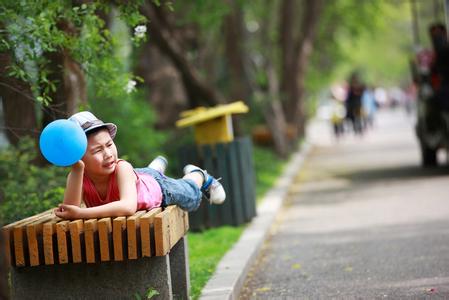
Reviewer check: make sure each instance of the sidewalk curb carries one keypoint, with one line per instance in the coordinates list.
(228, 279)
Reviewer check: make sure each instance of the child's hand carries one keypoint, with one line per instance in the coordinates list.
(66, 211)
(79, 165)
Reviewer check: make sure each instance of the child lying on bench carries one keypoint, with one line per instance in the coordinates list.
(111, 187)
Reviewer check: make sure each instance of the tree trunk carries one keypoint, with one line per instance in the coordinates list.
(235, 54)
(18, 104)
(272, 108)
(286, 40)
(70, 87)
(274, 114)
(198, 91)
(163, 82)
(295, 108)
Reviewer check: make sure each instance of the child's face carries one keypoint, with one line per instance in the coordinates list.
(101, 155)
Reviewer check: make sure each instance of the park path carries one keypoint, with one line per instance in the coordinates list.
(363, 221)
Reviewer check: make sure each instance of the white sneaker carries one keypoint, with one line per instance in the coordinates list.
(212, 189)
(159, 164)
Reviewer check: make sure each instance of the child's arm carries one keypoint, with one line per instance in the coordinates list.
(74, 185)
(127, 205)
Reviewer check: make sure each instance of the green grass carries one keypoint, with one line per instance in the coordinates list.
(208, 247)
(205, 251)
(268, 167)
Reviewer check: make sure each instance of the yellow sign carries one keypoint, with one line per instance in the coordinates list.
(212, 125)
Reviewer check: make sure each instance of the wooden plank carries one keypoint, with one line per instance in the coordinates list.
(19, 252)
(118, 227)
(34, 237)
(186, 221)
(146, 222)
(49, 232)
(76, 230)
(177, 225)
(19, 238)
(132, 225)
(104, 232)
(161, 233)
(169, 226)
(29, 219)
(61, 235)
(90, 232)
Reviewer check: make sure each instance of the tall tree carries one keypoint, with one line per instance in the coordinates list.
(162, 30)
(296, 51)
(235, 53)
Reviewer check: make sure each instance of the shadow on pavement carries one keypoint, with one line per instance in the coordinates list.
(396, 173)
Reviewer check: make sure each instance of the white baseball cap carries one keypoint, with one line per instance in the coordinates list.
(88, 122)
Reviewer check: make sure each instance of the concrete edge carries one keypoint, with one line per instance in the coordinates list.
(228, 279)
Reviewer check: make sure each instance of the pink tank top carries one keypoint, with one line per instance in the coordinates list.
(149, 193)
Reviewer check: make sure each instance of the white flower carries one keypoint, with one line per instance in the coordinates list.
(130, 86)
(139, 31)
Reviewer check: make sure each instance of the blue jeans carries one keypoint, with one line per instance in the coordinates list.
(182, 192)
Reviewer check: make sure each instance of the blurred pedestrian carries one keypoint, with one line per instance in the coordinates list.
(354, 103)
(338, 113)
(369, 107)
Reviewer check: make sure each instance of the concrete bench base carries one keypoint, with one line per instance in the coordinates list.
(168, 275)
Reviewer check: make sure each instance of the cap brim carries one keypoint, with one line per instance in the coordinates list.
(110, 126)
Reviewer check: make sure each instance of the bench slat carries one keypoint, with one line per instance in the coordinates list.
(90, 232)
(169, 227)
(34, 231)
(29, 219)
(49, 231)
(161, 233)
(132, 225)
(145, 230)
(76, 230)
(104, 232)
(177, 225)
(118, 227)
(19, 239)
(61, 235)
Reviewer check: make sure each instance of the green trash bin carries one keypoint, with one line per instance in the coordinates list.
(233, 162)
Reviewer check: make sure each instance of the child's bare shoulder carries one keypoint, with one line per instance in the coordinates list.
(123, 165)
(125, 170)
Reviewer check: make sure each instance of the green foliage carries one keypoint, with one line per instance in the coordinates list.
(207, 14)
(381, 54)
(26, 189)
(150, 293)
(32, 28)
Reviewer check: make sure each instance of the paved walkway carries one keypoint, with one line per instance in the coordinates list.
(363, 220)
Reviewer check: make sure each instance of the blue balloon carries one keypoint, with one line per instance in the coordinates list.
(63, 142)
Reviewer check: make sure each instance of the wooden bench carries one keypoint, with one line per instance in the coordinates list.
(107, 258)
